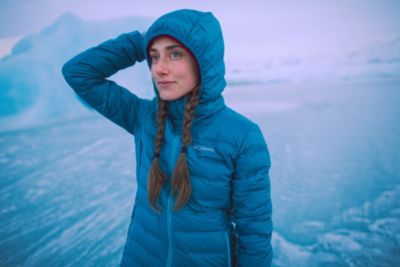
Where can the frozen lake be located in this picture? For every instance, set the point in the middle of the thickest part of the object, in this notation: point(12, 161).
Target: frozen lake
point(67, 188)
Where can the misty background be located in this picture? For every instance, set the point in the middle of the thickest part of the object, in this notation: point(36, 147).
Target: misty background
point(322, 80)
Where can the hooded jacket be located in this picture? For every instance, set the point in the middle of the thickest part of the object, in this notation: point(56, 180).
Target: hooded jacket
point(227, 220)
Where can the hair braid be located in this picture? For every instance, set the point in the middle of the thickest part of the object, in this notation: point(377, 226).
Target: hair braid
point(180, 186)
point(157, 177)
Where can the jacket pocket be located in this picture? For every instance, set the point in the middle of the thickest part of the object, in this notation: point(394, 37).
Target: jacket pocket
point(138, 155)
point(132, 223)
point(228, 249)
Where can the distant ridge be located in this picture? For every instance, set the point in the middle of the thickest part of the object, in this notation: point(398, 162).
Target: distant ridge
point(31, 85)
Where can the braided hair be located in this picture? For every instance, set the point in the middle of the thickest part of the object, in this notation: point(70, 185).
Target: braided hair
point(156, 175)
point(180, 184)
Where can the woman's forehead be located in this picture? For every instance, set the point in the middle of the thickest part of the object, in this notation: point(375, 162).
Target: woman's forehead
point(164, 41)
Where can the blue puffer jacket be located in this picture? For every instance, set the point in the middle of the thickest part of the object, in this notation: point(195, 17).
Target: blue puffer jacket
point(227, 220)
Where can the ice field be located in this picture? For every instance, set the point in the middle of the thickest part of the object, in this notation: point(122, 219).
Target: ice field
point(67, 189)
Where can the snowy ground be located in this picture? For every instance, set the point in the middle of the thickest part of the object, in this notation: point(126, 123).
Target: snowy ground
point(67, 188)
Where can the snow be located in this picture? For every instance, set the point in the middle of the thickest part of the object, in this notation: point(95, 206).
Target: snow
point(6, 45)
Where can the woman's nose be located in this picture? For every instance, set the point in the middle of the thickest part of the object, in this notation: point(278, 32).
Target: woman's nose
point(161, 67)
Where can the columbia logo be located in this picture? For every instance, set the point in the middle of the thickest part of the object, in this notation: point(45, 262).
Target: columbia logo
point(203, 148)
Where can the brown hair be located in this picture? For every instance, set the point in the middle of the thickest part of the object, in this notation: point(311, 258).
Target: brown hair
point(180, 184)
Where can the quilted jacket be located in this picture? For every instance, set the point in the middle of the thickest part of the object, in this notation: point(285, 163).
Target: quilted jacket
point(227, 220)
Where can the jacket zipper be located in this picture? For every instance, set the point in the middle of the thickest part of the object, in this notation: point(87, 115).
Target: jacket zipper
point(170, 202)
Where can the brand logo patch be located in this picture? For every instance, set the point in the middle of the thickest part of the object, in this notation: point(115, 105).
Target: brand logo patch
point(204, 148)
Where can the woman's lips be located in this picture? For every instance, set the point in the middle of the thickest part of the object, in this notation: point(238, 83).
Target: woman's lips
point(164, 84)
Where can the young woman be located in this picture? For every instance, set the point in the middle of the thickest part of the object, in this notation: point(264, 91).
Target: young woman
point(203, 189)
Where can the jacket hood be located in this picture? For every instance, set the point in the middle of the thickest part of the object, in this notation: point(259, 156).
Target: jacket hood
point(200, 32)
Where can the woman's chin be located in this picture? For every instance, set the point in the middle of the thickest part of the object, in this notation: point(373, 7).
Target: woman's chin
point(169, 97)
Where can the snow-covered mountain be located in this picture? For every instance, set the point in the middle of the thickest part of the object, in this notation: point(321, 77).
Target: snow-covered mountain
point(379, 61)
point(32, 88)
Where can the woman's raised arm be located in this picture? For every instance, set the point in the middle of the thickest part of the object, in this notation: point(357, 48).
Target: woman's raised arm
point(86, 73)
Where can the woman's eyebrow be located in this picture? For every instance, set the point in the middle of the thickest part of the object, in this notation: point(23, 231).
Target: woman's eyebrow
point(167, 48)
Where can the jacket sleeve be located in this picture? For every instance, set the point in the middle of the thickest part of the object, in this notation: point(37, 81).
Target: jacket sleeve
point(252, 208)
point(86, 73)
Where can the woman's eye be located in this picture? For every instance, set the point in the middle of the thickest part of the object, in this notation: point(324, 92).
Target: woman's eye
point(175, 55)
point(154, 58)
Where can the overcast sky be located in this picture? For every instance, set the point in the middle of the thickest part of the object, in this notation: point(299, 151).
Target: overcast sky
point(279, 26)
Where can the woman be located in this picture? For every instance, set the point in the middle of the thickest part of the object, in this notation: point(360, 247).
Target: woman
point(203, 191)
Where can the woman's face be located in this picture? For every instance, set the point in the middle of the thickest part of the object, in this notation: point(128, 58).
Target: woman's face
point(173, 68)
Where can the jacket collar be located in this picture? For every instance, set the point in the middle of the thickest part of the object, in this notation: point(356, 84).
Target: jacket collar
point(202, 112)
